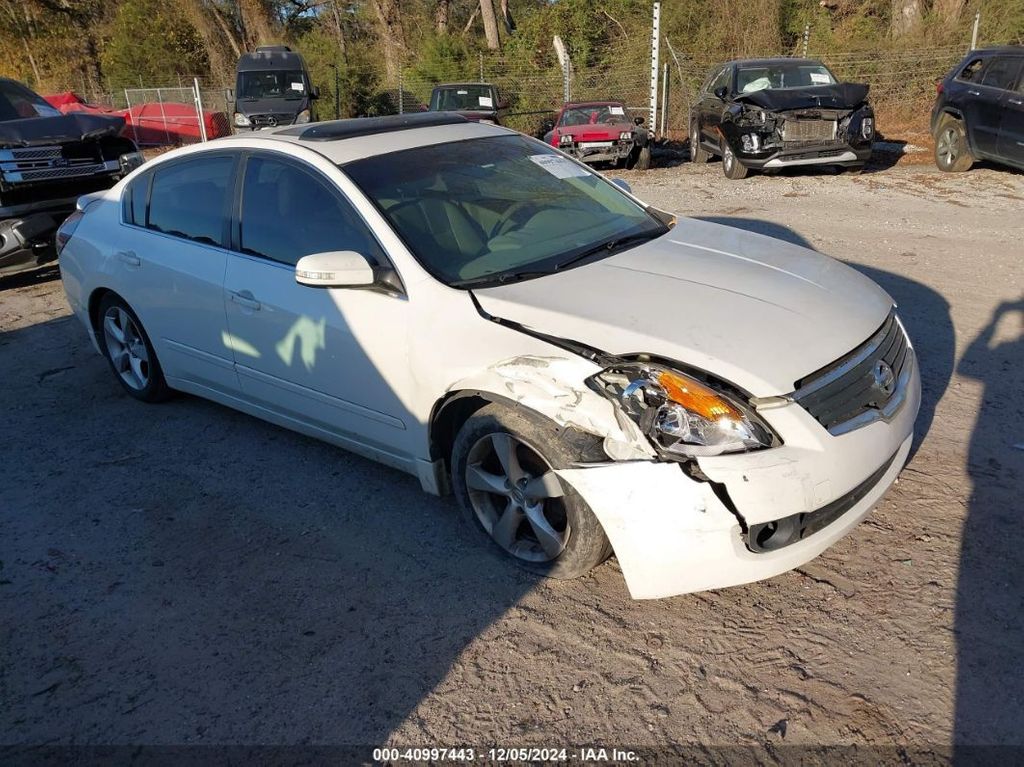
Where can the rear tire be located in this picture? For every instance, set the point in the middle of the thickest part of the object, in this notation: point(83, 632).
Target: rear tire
point(952, 153)
point(731, 166)
point(698, 153)
point(129, 352)
point(502, 472)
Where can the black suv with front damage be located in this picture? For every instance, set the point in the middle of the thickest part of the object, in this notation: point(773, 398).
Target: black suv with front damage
point(770, 114)
point(47, 160)
point(979, 110)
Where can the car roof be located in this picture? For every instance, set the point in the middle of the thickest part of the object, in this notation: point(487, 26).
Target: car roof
point(462, 85)
point(776, 60)
point(344, 141)
point(608, 103)
point(1018, 49)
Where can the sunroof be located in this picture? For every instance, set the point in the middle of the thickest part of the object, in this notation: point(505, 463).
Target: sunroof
point(367, 126)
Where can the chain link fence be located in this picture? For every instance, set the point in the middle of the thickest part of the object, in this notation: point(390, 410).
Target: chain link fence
point(901, 82)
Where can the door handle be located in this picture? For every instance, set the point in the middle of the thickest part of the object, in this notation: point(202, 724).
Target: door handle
point(129, 258)
point(245, 299)
point(1016, 102)
point(974, 93)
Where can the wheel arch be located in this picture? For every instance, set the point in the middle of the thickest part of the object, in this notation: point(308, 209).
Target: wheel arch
point(452, 411)
point(95, 299)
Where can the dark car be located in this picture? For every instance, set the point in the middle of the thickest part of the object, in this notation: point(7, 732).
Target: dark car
point(272, 88)
point(769, 114)
point(479, 102)
point(979, 110)
point(601, 131)
point(48, 160)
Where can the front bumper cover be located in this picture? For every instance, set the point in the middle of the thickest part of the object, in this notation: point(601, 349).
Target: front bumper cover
point(674, 535)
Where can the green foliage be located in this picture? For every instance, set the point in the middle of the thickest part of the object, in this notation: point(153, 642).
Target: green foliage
point(151, 43)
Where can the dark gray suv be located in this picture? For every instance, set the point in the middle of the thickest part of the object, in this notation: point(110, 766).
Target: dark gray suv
point(979, 110)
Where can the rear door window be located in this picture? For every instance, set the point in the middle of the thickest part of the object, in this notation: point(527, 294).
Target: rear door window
point(289, 212)
point(190, 199)
point(1002, 73)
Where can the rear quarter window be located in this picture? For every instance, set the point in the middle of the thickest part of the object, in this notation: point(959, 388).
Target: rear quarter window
point(972, 71)
point(135, 198)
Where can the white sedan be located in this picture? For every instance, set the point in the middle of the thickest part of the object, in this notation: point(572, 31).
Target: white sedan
point(471, 306)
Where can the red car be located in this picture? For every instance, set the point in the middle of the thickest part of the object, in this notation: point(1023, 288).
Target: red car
point(601, 131)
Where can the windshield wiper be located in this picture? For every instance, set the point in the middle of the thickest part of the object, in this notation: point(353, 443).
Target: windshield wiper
point(608, 247)
point(501, 278)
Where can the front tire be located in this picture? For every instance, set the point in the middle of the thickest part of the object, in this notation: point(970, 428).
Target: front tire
point(502, 472)
point(952, 153)
point(731, 166)
point(129, 352)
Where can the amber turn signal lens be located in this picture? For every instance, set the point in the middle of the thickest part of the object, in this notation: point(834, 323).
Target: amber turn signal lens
point(696, 397)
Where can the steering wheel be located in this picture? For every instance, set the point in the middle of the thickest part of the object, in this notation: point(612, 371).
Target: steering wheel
point(513, 218)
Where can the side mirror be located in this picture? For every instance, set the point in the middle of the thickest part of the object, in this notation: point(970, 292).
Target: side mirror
point(336, 269)
point(721, 92)
point(623, 185)
point(638, 121)
point(314, 92)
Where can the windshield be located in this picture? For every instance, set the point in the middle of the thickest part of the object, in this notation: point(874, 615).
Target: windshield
point(593, 114)
point(464, 97)
point(782, 75)
point(17, 102)
point(274, 84)
point(499, 209)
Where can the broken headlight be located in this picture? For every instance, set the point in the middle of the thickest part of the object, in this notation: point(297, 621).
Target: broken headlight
point(682, 416)
point(867, 128)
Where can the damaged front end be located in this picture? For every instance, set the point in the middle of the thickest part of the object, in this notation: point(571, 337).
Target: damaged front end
point(774, 129)
point(46, 164)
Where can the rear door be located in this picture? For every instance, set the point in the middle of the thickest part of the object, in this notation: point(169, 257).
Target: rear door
point(1010, 146)
point(986, 102)
point(176, 226)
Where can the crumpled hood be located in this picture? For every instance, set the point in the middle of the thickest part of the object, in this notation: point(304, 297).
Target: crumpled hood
point(838, 96)
point(75, 126)
point(758, 312)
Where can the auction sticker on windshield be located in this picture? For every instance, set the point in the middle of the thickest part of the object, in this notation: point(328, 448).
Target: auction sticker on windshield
point(559, 167)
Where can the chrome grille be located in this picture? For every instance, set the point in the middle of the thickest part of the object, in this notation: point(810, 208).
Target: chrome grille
point(868, 383)
point(69, 171)
point(803, 131)
point(34, 153)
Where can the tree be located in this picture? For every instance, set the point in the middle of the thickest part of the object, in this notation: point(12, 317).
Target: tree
point(152, 41)
point(490, 24)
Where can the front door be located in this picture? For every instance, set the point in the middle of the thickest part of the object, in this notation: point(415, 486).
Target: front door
point(333, 358)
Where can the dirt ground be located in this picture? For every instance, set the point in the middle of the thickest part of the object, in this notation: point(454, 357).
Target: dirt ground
point(184, 574)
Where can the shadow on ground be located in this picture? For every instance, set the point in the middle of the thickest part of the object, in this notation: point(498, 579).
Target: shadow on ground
point(990, 589)
point(210, 578)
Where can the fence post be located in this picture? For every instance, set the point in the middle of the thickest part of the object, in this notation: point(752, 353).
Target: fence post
point(481, 66)
point(199, 110)
point(655, 40)
point(664, 97)
point(163, 115)
point(807, 37)
point(401, 96)
point(974, 34)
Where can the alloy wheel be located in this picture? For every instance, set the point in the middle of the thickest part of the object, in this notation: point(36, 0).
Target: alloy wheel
point(517, 498)
point(126, 348)
point(948, 147)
